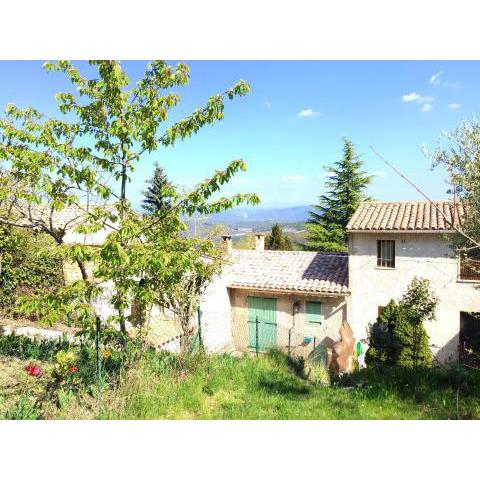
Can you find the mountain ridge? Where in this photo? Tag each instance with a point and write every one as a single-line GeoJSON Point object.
{"type": "Point", "coordinates": [297, 213]}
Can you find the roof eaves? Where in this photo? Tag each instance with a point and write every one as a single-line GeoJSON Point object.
{"type": "Point", "coordinates": [368, 230]}
{"type": "Point", "coordinates": [289, 291]}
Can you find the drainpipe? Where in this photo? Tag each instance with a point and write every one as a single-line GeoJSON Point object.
{"type": "Point", "coordinates": [295, 310]}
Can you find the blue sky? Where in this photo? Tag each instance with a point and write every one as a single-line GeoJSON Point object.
{"type": "Point", "coordinates": [291, 125]}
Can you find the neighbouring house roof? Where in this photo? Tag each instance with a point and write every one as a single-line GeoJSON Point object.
{"type": "Point", "coordinates": [407, 217]}
{"type": "Point", "coordinates": [290, 272]}
{"type": "Point", "coordinates": [67, 219]}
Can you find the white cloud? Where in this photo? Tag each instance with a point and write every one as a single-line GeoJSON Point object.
{"type": "Point", "coordinates": [426, 107]}
{"type": "Point", "coordinates": [435, 78]}
{"type": "Point", "coordinates": [293, 178]}
{"type": "Point", "coordinates": [454, 106]}
{"type": "Point", "coordinates": [307, 112]}
{"type": "Point", "coordinates": [410, 97]}
{"type": "Point", "coordinates": [379, 174]}
{"type": "Point", "coordinates": [416, 97]}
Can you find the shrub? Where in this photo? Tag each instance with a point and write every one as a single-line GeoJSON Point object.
{"type": "Point", "coordinates": [22, 268]}
{"type": "Point", "coordinates": [24, 409]}
{"type": "Point", "coordinates": [384, 347]}
{"type": "Point", "coordinates": [24, 348]}
{"type": "Point", "coordinates": [398, 337]}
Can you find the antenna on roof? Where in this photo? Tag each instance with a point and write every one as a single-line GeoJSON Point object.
{"type": "Point", "coordinates": [449, 222]}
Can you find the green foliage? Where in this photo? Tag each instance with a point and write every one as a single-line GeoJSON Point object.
{"type": "Point", "coordinates": [384, 347]}
{"type": "Point", "coordinates": [47, 165]}
{"type": "Point", "coordinates": [277, 240]}
{"type": "Point", "coordinates": [156, 197]}
{"type": "Point", "coordinates": [399, 338]}
{"type": "Point", "coordinates": [23, 268]}
{"type": "Point", "coordinates": [345, 190]}
{"type": "Point", "coordinates": [25, 408]}
{"type": "Point", "coordinates": [22, 347]}
{"type": "Point", "coordinates": [459, 154]}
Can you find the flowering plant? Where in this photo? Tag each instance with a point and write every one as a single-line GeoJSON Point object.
{"type": "Point", "coordinates": [34, 370]}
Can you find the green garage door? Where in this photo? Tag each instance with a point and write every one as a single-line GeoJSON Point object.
{"type": "Point", "coordinates": [265, 310]}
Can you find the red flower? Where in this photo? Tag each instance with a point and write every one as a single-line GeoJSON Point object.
{"type": "Point", "coordinates": [34, 370]}
{"type": "Point", "coordinates": [73, 369]}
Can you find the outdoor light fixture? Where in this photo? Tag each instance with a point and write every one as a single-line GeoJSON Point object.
{"type": "Point", "coordinates": [296, 307]}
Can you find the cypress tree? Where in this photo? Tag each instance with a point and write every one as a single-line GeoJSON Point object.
{"type": "Point", "coordinates": [383, 346]}
{"type": "Point", "coordinates": [345, 190]}
{"type": "Point", "coordinates": [277, 240]}
{"type": "Point", "coordinates": [156, 197]}
{"type": "Point", "coordinates": [399, 337]}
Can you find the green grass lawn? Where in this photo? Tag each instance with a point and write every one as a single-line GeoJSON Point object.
{"type": "Point", "coordinates": [165, 386]}
{"type": "Point", "coordinates": [266, 388]}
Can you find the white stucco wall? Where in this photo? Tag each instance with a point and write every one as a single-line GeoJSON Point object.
{"type": "Point", "coordinates": [416, 254]}
{"type": "Point", "coordinates": [216, 315]}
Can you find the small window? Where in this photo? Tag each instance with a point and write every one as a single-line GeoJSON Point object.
{"type": "Point", "coordinates": [386, 253]}
{"type": "Point", "coordinates": [470, 268]}
{"type": "Point", "coordinates": [314, 312]}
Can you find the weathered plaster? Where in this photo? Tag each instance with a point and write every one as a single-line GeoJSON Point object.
{"type": "Point", "coordinates": [425, 255]}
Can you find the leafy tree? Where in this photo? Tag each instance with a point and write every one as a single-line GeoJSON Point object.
{"type": "Point", "coordinates": [345, 190]}
{"type": "Point", "coordinates": [86, 161]}
{"type": "Point", "coordinates": [399, 337]}
{"type": "Point", "coordinates": [156, 197]}
{"type": "Point", "coordinates": [277, 240]}
{"type": "Point", "coordinates": [459, 154]}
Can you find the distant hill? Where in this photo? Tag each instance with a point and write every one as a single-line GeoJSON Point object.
{"type": "Point", "coordinates": [250, 215]}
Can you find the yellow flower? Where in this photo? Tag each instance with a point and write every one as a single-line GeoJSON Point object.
{"type": "Point", "coordinates": [106, 354]}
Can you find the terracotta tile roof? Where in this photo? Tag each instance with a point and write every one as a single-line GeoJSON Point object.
{"type": "Point", "coordinates": [307, 272]}
{"type": "Point", "coordinates": [406, 216]}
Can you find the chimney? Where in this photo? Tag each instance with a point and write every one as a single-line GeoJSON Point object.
{"type": "Point", "coordinates": [260, 242]}
{"type": "Point", "coordinates": [226, 245]}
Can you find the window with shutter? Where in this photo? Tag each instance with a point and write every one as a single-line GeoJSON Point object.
{"type": "Point", "coordinates": [313, 312]}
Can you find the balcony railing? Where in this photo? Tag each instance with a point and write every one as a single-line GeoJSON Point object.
{"type": "Point", "coordinates": [470, 269]}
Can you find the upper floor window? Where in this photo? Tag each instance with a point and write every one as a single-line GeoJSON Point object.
{"type": "Point", "coordinates": [386, 253]}
{"type": "Point", "coordinates": [470, 268]}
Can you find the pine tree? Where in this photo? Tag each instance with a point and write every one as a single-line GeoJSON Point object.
{"type": "Point", "coordinates": [156, 197]}
{"type": "Point", "coordinates": [345, 190]}
{"type": "Point", "coordinates": [277, 240]}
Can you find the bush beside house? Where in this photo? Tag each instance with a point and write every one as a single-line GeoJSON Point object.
{"type": "Point", "coordinates": [398, 337]}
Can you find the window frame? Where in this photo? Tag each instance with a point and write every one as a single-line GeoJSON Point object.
{"type": "Point", "coordinates": [383, 261]}
{"type": "Point", "coordinates": [465, 272]}
{"type": "Point", "coordinates": [307, 313]}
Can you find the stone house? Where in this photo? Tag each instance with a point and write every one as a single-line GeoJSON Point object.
{"type": "Point", "coordinates": [292, 300]}
{"type": "Point", "coordinates": [392, 242]}
{"type": "Point", "coordinates": [312, 303]}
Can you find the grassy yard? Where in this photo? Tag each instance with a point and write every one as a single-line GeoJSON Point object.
{"type": "Point", "coordinates": [266, 388]}
{"type": "Point", "coordinates": [164, 386]}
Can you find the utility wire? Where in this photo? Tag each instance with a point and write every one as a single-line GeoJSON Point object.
{"type": "Point", "coordinates": [449, 222]}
